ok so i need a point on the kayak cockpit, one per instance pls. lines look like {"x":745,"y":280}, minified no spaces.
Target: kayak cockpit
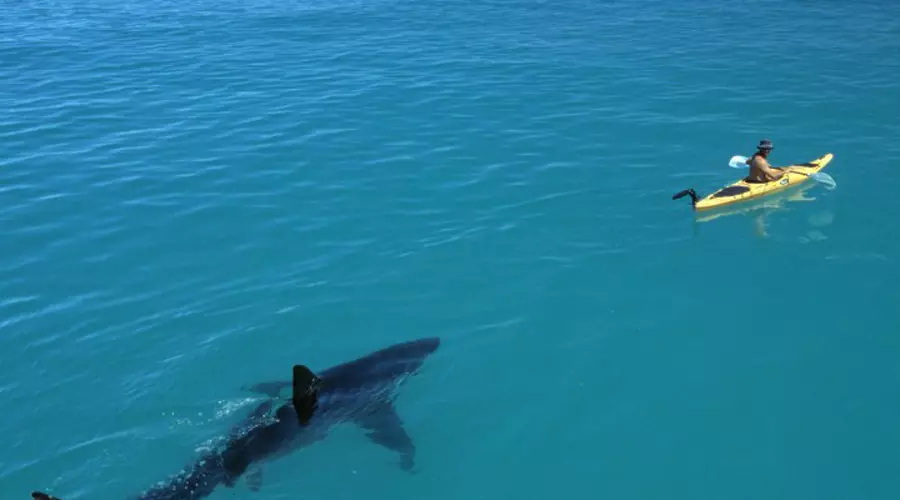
{"x":730,"y":191}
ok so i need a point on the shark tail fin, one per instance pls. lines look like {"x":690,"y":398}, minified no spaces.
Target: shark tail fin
{"x":305,"y":397}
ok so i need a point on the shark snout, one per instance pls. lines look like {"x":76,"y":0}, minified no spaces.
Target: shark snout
{"x":424,"y":347}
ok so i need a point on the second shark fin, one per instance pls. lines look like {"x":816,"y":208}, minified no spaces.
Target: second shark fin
{"x":383,"y":426}
{"x":272,"y":389}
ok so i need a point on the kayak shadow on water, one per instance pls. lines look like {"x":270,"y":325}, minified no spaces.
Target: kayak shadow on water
{"x":759,"y":210}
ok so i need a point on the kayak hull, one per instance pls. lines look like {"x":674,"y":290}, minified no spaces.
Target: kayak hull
{"x":774,"y":202}
{"x":742,"y":190}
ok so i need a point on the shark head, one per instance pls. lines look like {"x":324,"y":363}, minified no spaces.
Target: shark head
{"x":393,"y":363}
{"x":37,"y":495}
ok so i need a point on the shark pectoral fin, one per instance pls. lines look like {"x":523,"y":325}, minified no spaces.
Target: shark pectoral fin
{"x":272,"y":389}
{"x":254,"y":479}
{"x":384,"y":427}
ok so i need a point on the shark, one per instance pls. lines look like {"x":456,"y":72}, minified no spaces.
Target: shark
{"x":361,"y":391}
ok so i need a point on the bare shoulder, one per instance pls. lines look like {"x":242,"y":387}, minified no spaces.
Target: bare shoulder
{"x":758,"y":160}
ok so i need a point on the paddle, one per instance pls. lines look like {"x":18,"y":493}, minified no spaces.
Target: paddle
{"x":738,"y":161}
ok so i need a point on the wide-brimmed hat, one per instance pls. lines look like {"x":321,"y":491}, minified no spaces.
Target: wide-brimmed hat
{"x":765,"y":144}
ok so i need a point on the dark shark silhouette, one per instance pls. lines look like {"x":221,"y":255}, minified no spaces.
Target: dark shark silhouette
{"x":360,"y":391}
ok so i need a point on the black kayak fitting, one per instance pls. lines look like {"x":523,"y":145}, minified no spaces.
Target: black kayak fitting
{"x":686,"y":192}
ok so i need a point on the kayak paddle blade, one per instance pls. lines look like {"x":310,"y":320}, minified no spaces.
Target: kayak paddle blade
{"x":737,"y":161}
{"x":823,"y":178}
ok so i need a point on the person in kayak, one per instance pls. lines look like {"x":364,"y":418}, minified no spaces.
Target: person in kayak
{"x":760,"y":170}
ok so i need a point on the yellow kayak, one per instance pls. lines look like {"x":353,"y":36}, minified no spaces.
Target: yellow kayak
{"x":765,"y":204}
{"x":743,"y":190}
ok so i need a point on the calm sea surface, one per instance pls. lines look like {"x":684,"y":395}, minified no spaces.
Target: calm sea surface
{"x":197,"y":195}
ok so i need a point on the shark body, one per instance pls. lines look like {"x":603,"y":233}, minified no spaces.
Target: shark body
{"x":361,"y":391}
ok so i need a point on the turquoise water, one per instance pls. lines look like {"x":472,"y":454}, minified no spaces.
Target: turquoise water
{"x":197,"y":195}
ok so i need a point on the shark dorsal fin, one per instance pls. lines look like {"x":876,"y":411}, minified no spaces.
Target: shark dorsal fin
{"x":305,"y":397}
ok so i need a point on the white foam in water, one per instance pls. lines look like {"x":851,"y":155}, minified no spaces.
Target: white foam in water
{"x":229,"y":407}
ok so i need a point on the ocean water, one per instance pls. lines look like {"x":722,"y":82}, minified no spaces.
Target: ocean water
{"x":197,"y":195}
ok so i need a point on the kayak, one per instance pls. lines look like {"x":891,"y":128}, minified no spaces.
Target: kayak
{"x":742,"y":190}
{"x":772,"y":203}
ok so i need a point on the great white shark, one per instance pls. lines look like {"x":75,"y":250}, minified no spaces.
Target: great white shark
{"x":361,"y":391}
